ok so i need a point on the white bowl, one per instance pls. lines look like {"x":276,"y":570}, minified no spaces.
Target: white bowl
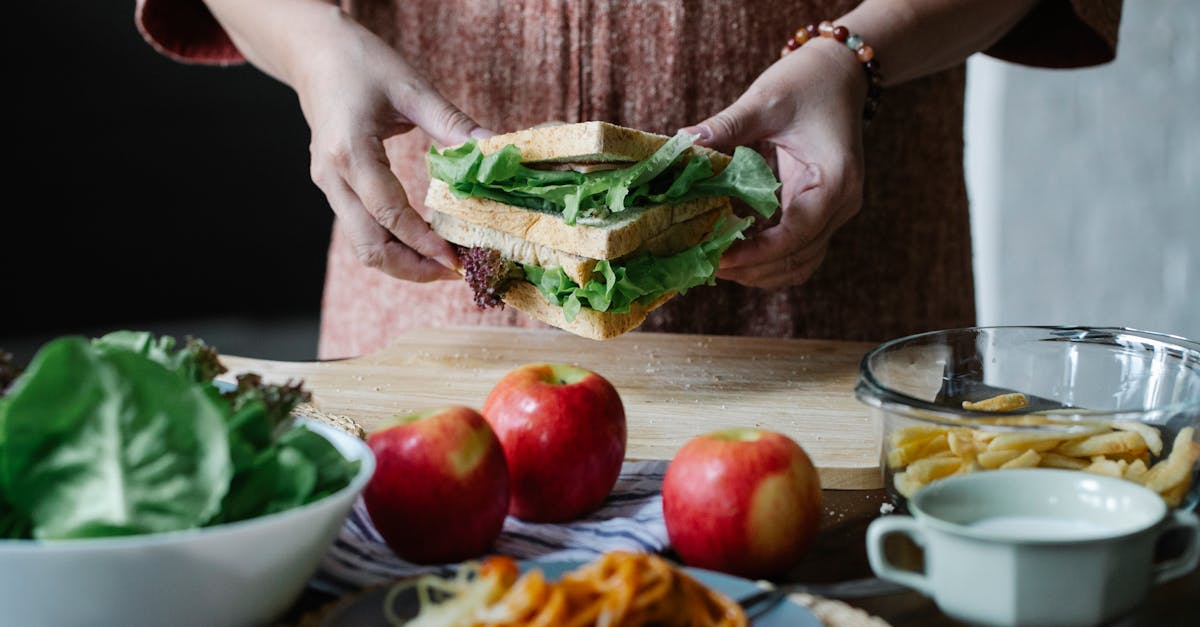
{"x":243,"y":573}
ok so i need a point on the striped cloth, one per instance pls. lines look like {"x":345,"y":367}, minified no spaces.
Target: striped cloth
{"x":631,"y":519}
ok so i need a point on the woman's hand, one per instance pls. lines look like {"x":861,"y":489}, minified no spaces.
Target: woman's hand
{"x":809,"y":105}
{"x":355,"y":92}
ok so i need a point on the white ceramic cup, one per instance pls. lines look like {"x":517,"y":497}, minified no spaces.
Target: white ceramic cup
{"x":1035,"y":546}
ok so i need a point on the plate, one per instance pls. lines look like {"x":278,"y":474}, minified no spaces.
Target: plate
{"x":366,"y":608}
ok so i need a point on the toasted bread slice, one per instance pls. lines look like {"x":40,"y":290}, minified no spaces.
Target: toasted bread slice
{"x":608,"y":239}
{"x":458,"y":231}
{"x":588,"y":323}
{"x":683,"y":235}
{"x":674,"y":239}
{"x":587,"y":142}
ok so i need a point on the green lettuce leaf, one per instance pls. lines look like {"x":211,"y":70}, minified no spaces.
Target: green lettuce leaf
{"x":667,"y":176}
{"x":274,"y":474}
{"x":621,"y":181}
{"x":642,"y":279}
{"x":195,"y":360}
{"x":111,"y":443}
{"x":127,"y":434}
{"x":696,"y":170}
{"x":747,"y":177}
{"x":455,"y":164}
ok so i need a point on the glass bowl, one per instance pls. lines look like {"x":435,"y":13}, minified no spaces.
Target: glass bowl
{"x":1113,"y":401}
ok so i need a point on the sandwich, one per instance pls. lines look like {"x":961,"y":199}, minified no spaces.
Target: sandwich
{"x":588,"y":227}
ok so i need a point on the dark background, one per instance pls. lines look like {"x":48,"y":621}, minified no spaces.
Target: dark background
{"x":146,"y":193}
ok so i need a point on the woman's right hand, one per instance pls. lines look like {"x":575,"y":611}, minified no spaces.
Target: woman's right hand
{"x":355,"y":92}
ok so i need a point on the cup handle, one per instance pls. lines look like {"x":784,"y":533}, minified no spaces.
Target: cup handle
{"x":1173,"y":568}
{"x":882,"y":527}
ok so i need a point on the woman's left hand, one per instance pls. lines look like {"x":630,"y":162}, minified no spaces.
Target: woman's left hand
{"x":809,"y":105}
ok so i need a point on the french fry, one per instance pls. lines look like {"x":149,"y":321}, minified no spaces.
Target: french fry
{"x":1025,"y":441}
{"x":968,"y":466}
{"x":1149,"y":434}
{"x":963,"y":446}
{"x":904,"y":454}
{"x":938,"y":444}
{"x":1003,"y":402}
{"x":1136,"y":471}
{"x":907,"y":444}
{"x":1113,"y":443}
{"x":906,"y":484}
{"x":983,"y":436}
{"x":1107,"y":467}
{"x":1123,"y":449}
{"x":1174,"y":496}
{"x":992,"y":460}
{"x":1143,"y":455}
{"x":899,"y":457}
{"x":1028,"y":459}
{"x":961,"y":443}
{"x":915,"y":433}
{"x":1177,"y":466}
{"x":1165,"y":475}
{"x":1056,"y":460}
{"x":1185,"y":440}
{"x":930,"y":468}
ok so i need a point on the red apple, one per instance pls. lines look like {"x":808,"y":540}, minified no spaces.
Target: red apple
{"x":563,"y":432}
{"x":743,"y":501}
{"x":440,"y":489}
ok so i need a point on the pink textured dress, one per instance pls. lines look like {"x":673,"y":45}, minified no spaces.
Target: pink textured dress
{"x":902,"y":265}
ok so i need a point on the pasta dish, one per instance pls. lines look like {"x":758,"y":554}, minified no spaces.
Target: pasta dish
{"x":618,"y":589}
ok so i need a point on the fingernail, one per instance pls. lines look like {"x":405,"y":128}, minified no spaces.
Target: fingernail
{"x":702,"y":130}
{"x":481,"y":133}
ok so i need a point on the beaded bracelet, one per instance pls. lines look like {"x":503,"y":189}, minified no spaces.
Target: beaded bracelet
{"x":865,"y":54}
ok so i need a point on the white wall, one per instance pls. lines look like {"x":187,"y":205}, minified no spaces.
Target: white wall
{"x":1085,"y":184}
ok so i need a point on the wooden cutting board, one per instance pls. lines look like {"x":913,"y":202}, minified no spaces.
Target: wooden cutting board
{"x":674,"y":386}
